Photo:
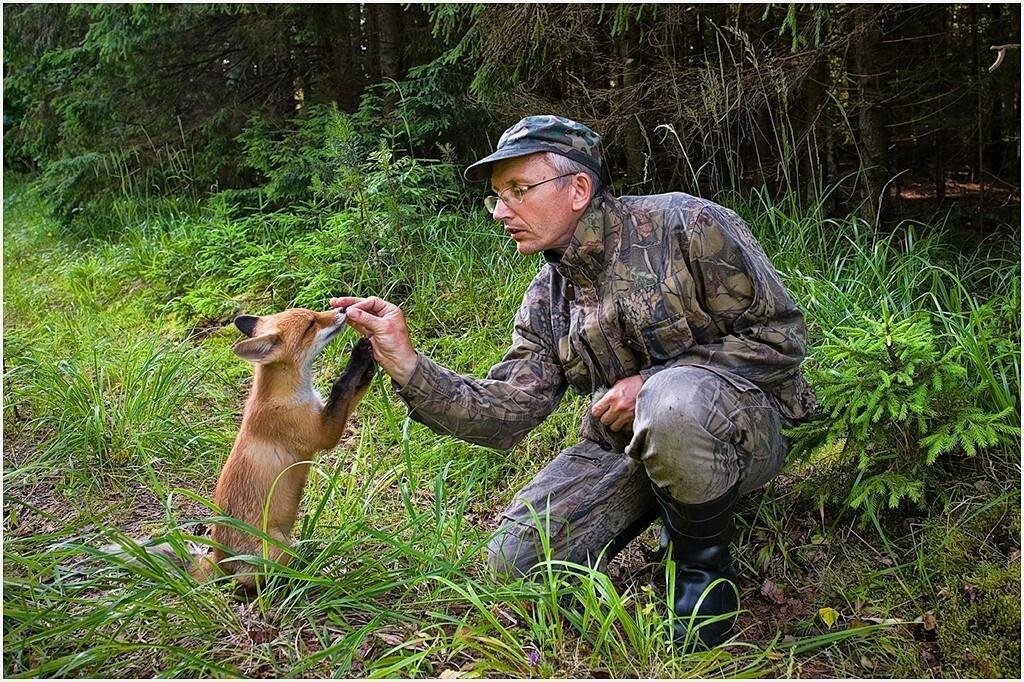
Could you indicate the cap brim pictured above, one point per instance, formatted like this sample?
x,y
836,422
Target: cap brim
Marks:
x,y
481,170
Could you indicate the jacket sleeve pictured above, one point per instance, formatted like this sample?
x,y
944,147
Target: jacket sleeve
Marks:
x,y
517,394
761,332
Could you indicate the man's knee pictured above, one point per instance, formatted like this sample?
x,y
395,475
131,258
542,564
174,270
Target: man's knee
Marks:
x,y
682,435
677,402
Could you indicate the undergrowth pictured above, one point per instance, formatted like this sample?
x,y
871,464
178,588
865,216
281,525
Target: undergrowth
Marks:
x,y
119,385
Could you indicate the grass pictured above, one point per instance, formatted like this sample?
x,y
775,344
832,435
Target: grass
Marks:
x,y
121,398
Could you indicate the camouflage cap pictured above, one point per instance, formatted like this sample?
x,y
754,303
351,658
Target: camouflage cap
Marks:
x,y
543,134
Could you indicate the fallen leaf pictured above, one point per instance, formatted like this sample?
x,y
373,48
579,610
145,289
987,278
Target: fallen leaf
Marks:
x,y
817,539
887,561
450,674
928,620
828,615
867,662
773,592
506,615
930,660
789,639
389,638
971,592
1015,555
262,635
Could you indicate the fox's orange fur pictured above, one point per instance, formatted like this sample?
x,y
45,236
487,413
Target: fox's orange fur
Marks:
x,y
285,422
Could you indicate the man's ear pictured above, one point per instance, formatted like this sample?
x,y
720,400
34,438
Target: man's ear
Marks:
x,y
257,349
246,324
582,190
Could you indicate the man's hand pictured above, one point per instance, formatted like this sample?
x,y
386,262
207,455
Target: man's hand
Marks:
x,y
617,407
384,325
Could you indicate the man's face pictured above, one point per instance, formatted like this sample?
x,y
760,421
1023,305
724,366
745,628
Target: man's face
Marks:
x,y
547,216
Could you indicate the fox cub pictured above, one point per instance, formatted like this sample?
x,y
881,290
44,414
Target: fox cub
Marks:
x,y
285,423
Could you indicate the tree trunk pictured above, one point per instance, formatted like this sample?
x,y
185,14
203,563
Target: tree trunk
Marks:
x,y
814,98
338,43
371,44
874,139
629,60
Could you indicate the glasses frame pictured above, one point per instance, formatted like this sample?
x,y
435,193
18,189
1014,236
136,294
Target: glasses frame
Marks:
x,y
515,193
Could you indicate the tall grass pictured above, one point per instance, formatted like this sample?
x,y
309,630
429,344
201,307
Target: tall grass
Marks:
x,y
118,377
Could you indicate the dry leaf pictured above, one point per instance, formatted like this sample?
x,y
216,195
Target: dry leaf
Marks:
x,y
928,620
262,635
389,638
450,674
773,592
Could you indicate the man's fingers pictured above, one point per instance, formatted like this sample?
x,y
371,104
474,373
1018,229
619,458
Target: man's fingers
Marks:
x,y
624,420
344,301
364,321
373,305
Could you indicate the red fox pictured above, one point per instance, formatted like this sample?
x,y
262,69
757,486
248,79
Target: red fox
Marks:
x,y
285,422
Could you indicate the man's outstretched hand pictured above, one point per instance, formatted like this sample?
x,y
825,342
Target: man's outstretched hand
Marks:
x,y
384,325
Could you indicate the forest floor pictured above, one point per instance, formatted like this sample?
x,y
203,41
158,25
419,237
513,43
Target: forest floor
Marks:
x,y
117,417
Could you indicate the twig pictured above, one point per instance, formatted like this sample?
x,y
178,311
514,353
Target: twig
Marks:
x,y
1002,54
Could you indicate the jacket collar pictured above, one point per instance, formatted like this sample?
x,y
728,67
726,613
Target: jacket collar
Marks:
x,y
596,238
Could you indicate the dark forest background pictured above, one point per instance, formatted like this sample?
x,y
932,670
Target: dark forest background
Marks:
x,y
868,108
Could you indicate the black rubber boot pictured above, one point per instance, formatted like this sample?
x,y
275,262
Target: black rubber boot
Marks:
x,y
700,535
627,535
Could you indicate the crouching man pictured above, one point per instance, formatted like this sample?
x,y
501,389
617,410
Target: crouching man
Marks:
x,y
668,314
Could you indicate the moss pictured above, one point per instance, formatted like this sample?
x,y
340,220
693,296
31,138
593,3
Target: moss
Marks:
x,y
979,624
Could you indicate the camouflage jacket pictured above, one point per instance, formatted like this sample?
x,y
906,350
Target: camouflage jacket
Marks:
x,y
647,283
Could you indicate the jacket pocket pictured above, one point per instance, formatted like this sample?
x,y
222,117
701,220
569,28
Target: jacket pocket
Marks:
x,y
667,339
656,332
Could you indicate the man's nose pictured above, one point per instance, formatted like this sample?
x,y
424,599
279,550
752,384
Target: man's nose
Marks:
x,y
502,211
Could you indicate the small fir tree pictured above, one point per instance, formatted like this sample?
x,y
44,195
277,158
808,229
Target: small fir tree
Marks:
x,y
892,403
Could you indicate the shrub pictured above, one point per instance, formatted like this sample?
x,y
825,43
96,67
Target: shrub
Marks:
x,y
892,403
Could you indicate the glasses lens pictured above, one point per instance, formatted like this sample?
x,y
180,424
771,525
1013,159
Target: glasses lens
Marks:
x,y
490,203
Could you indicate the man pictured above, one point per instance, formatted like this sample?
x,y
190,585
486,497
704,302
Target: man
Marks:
x,y
663,309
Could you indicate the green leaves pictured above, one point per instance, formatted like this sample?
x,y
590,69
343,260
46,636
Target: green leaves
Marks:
x,y
896,402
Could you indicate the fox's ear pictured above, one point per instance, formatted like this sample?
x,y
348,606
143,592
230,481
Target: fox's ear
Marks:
x,y
258,348
246,324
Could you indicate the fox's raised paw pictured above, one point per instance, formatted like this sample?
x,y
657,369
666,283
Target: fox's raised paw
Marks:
x,y
361,364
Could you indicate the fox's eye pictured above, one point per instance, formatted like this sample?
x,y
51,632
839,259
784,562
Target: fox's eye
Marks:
x,y
310,327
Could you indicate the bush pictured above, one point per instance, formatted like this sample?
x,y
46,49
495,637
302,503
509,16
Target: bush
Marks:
x,y
892,403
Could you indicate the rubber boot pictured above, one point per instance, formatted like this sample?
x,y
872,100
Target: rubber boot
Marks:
x,y
627,535
700,536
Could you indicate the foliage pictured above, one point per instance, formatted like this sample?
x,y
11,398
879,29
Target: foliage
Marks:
x,y
892,403
774,97
389,577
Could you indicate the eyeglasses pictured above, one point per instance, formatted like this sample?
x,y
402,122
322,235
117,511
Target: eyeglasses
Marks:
x,y
514,195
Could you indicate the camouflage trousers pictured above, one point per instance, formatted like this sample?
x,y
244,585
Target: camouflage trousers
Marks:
x,y
697,432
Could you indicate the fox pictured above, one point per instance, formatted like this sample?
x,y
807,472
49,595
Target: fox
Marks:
x,y
285,423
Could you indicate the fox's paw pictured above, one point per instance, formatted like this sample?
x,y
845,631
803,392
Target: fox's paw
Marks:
x,y
361,364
